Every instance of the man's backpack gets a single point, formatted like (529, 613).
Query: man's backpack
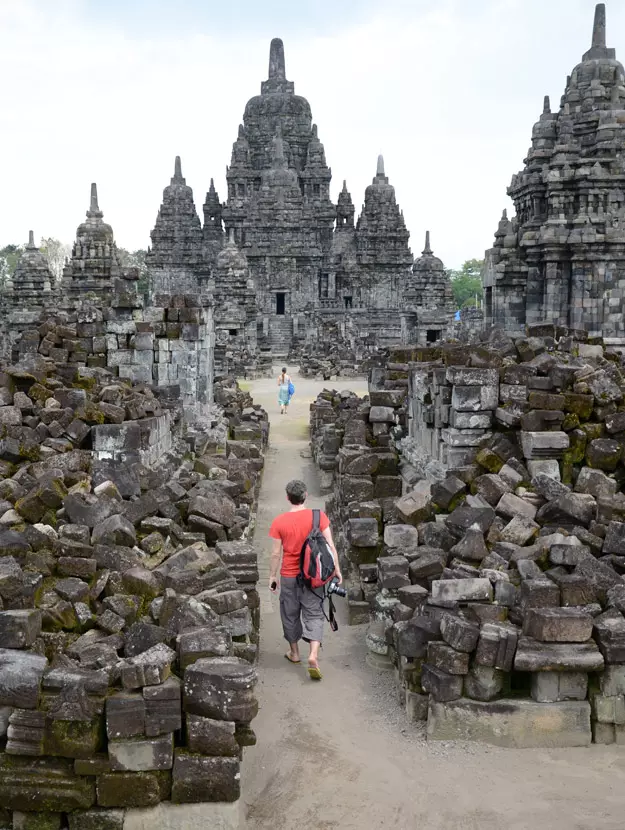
(316, 561)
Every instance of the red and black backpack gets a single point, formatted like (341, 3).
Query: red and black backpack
(316, 561)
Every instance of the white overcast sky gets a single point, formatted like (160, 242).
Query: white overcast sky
(112, 90)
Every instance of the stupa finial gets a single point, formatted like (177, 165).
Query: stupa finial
(598, 49)
(277, 69)
(546, 105)
(427, 249)
(31, 239)
(598, 27)
(380, 167)
(94, 208)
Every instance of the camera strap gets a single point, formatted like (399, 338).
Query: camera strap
(331, 615)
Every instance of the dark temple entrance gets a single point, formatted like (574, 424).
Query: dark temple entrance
(280, 302)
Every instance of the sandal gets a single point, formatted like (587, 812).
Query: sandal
(286, 657)
(314, 673)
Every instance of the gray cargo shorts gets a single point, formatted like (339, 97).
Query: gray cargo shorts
(301, 611)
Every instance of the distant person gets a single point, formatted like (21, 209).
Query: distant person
(301, 609)
(284, 396)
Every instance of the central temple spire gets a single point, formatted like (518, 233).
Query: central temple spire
(598, 49)
(277, 69)
(178, 178)
(276, 81)
(598, 29)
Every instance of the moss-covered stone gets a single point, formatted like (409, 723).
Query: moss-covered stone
(73, 739)
(84, 383)
(131, 789)
(571, 421)
(91, 414)
(604, 454)
(593, 430)
(35, 821)
(580, 405)
(489, 460)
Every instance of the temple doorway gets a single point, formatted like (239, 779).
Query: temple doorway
(280, 302)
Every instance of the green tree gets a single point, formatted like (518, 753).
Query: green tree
(55, 252)
(9, 257)
(466, 283)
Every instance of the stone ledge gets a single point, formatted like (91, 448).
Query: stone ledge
(168, 816)
(511, 723)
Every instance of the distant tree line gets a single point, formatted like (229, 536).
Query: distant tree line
(466, 283)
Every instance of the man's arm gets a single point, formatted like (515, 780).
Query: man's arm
(274, 565)
(327, 533)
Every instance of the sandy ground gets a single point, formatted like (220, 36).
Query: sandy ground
(340, 754)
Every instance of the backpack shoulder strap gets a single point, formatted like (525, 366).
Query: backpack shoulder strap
(316, 519)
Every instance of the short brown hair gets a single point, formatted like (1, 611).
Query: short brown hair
(296, 491)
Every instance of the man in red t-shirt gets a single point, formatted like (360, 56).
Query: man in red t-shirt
(301, 609)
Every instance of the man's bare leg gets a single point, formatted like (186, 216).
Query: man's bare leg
(293, 654)
(313, 657)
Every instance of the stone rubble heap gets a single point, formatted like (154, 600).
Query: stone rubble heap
(495, 583)
(352, 442)
(129, 613)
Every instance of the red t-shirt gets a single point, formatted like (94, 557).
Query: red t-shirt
(292, 529)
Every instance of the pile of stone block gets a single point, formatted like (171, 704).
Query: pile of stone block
(129, 616)
(166, 345)
(500, 595)
(351, 441)
(330, 414)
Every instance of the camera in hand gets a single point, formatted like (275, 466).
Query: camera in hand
(335, 588)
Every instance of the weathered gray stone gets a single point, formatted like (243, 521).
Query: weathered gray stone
(461, 590)
(558, 625)
(20, 678)
(459, 633)
(142, 754)
(483, 683)
(198, 778)
(553, 686)
(221, 688)
(534, 656)
(439, 684)
(511, 723)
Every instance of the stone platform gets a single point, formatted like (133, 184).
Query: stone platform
(520, 724)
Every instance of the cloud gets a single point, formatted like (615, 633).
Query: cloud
(447, 90)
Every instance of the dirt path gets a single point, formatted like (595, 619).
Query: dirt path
(339, 754)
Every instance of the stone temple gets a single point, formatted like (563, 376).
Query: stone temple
(562, 257)
(309, 261)
(282, 265)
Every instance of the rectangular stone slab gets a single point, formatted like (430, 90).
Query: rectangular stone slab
(462, 590)
(534, 656)
(142, 754)
(43, 784)
(511, 723)
(558, 625)
(168, 816)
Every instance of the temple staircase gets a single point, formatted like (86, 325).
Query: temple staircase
(280, 334)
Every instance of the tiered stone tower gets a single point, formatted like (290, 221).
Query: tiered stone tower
(235, 308)
(26, 295)
(213, 233)
(94, 264)
(370, 263)
(279, 204)
(176, 256)
(429, 306)
(562, 257)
